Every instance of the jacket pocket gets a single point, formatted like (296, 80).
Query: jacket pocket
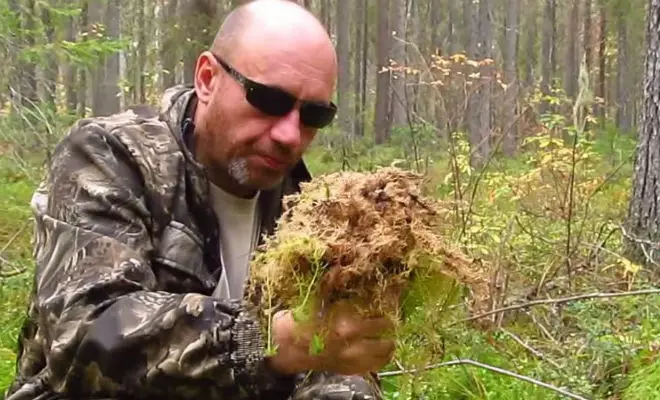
(182, 250)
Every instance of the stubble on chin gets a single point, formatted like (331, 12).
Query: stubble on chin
(239, 171)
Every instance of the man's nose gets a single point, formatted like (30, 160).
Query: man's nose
(286, 130)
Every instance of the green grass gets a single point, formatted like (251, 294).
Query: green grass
(15, 230)
(600, 349)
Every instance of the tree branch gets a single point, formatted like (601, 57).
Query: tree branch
(4, 275)
(557, 301)
(14, 236)
(489, 368)
(529, 348)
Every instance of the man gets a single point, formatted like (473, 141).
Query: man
(146, 220)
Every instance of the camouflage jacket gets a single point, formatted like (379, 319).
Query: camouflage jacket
(127, 257)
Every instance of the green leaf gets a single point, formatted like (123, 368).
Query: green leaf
(317, 345)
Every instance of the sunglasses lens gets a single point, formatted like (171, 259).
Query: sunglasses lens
(276, 102)
(271, 101)
(317, 115)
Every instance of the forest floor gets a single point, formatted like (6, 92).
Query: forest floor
(514, 216)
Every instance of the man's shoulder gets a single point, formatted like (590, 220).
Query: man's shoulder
(137, 126)
(137, 142)
(139, 135)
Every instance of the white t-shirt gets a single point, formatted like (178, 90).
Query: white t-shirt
(239, 226)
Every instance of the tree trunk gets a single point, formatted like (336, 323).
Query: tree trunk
(398, 55)
(602, 64)
(84, 74)
(470, 23)
(106, 91)
(510, 77)
(14, 19)
(531, 58)
(326, 14)
(344, 73)
(169, 49)
(365, 62)
(587, 37)
(470, 121)
(27, 70)
(478, 112)
(570, 58)
(435, 21)
(51, 66)
(382, 113)
(452, 14)
(487, 72)
(141, 62)
(547, 53)
(358, 60)
(71, 71)
(644, 219)
(194, 14)
(624, 106)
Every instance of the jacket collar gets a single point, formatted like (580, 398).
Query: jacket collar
(177, 108)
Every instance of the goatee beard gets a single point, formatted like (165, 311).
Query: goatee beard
(238, 170)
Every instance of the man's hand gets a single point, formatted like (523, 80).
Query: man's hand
(354, 345)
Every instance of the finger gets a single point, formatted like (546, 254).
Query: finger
(369, 354)
(351, 327)
(376, 327)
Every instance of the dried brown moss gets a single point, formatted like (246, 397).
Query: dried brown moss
(358, 238)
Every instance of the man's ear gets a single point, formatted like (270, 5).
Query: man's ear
(206, 76)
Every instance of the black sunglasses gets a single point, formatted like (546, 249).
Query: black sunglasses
(276, 102)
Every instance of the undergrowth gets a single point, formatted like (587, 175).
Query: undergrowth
(548, 220)
(517, 215)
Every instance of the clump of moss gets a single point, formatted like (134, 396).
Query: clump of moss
(359, 239)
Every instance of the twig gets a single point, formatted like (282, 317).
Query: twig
(4, 275)
(419, 202)
(17, 270)
(543, 328)
(571, 202)
(586, 296)
(529, 348)
(14, 236)
(654, 246)
(489, 368)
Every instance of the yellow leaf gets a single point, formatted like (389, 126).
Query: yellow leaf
(458, 58)
(546, 159)
(629, 267)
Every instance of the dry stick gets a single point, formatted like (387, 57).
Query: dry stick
(642, 242)
(5, 275)
(489, 368)
(17, 270)
(543, 329)
(14, 236)
(558, 301)
(529, 348)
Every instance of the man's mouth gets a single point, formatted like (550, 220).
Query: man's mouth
(274, 163)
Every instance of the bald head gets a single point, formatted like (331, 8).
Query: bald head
(277, 47)
(270, 22)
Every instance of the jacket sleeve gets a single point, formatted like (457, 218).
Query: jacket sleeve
(331, 386)
(106, 331)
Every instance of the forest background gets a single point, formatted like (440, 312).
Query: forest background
(527, 118)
